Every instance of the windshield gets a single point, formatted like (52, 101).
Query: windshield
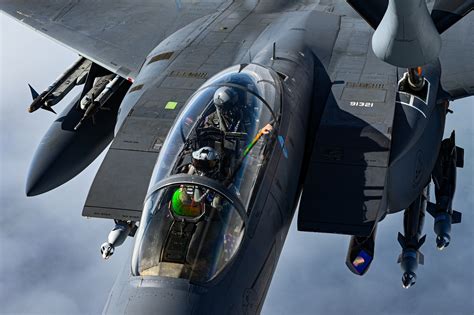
(193, 233)
(224, 136)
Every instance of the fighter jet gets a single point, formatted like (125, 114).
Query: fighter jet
(225, 117)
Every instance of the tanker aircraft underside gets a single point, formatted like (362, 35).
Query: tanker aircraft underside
(225, 115)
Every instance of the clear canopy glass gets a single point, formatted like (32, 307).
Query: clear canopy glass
(225, 134)
(193, 243)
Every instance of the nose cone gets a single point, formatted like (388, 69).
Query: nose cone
(408, 279)
(145, 296)
(63, 152)
(442, 241)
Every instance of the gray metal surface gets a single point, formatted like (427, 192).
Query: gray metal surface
(344, 189)
(457, 68)
(115, 34)
(407, 36)
(139, 140)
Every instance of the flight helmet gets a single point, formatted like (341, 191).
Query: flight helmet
(225, 97)
(205, 159)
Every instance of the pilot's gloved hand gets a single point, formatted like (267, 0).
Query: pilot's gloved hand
(106, 250)
(216, 202)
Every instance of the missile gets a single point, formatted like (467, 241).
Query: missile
(74, 75)
(38, 100)
(444, 176)
(117, 236)
(442, 225)
(98, 87)
(93, 104)
(409, 259)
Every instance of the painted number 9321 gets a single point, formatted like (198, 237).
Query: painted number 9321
(361, 104)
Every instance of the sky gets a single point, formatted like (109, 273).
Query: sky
(49, 254)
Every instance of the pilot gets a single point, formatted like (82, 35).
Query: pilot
(185, 204)
(228, 112)
(189, 200)
(204, 162)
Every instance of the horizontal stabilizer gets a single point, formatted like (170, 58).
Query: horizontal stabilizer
(456, 217)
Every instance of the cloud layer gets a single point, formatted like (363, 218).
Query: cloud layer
(50, 260)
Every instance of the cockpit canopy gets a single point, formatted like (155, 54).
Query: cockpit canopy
(203, 183)
(236, 113)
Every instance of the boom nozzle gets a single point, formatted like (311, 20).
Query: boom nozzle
(406, 37)
(415, 79)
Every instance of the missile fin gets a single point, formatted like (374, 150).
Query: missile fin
(431, 208)
(49, 109)
(452, 137)
(421, 241)
(34, 94)
(456, 217)
(401, 240)
(459, 157)
(421, 258)
(399, 260)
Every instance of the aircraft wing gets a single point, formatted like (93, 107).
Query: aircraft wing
(117, 34)
(457, 76)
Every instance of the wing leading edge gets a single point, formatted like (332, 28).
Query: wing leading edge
(116, 34)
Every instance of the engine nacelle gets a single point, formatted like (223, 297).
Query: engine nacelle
(418, 129)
